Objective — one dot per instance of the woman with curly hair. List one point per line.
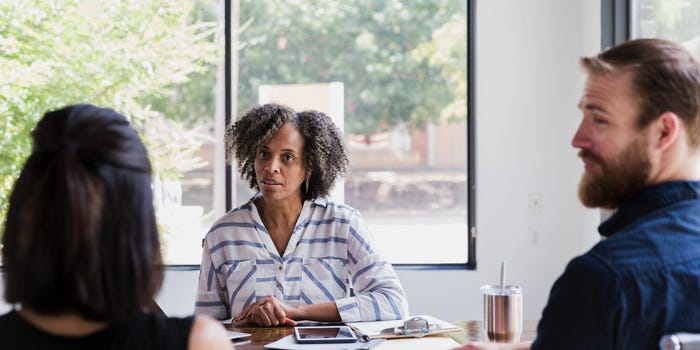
(289, 253)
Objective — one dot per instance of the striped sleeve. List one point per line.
(378, 291)
(211, 297)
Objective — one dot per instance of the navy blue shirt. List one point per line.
(640, 282)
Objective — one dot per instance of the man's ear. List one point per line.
(667, 129)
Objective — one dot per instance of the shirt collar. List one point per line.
(649, 199)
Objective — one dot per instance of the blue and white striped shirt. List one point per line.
(330, 257)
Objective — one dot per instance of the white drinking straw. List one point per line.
(503, 275)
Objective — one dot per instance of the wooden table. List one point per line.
(472, 331)
(260, 336)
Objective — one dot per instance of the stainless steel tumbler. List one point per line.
(503, 313)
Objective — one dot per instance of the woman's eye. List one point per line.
(262, 154)
(288, 157)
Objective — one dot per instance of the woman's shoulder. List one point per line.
(10, 322)
(168, 332)
(337, 208)
(241, 214)
(159, 325)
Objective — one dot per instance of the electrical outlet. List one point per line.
(535, 204)
(534, 234)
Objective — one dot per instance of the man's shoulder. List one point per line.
(579, 306)
(590, 265)
(659, 245)
(587, 272)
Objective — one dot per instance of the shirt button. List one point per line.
(279, 285)
(280, 268)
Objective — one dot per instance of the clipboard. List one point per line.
(411, 327)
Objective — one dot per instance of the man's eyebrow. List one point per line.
(592, 107)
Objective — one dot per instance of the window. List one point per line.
(155, 61)
(677, 20)
(393, 76)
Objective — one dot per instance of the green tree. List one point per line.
(368, 45)
(123, 54)
(448, 55)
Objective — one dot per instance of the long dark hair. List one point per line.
(81, 233)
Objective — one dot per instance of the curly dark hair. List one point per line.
(326, 158)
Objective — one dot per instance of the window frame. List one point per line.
(615, 28)
(615, 22)
(232, 7)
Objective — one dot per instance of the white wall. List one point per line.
(527, 87)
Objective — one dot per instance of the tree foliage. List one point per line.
(401, 62)
(677, 20)
(122, 54)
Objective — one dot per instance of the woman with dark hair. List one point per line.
(288, 253)
(81, 256)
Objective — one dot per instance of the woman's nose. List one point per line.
(273, 166)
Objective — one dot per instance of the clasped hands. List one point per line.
(267, 312)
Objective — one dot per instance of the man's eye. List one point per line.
(600, 121)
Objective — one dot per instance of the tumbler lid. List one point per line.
(498, 290)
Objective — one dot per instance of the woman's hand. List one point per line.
(267, 312)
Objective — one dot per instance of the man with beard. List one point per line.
(640, 144)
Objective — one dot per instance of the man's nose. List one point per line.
(581, 139)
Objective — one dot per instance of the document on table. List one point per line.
(432, 343)
(380, 329)
(288, 343)
(236, 335)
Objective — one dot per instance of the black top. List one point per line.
(145, 331)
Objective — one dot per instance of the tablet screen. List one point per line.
(324, 334)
